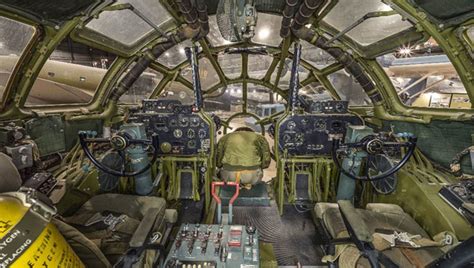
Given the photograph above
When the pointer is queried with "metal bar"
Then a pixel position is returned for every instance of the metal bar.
(294, 80)
(191, 53)
(416, 82)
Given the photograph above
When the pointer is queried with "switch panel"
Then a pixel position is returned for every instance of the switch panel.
(214, 246)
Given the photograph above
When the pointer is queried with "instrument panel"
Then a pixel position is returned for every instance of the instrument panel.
(309, 134)
(180, 131)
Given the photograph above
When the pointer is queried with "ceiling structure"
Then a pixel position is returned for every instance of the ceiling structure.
(252, 77)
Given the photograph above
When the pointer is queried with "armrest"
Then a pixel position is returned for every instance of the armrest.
(354, 223)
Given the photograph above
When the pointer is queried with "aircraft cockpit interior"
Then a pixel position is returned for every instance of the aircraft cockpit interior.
(237, 133)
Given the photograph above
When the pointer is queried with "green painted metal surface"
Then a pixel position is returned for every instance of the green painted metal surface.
(440, 140)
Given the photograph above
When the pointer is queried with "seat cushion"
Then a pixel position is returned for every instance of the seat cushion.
(381, 216)
(114, 244)
(87, 251)
(10, 179)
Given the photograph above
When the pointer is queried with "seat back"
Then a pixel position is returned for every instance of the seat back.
(10, 179)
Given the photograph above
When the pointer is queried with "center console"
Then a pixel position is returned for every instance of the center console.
(214, 246)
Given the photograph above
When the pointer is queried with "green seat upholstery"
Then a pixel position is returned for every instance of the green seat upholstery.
(381, 216)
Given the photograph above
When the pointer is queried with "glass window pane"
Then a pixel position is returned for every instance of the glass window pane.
(470, 34)
(257, 94)
(178, 91)
(284, 82)
(426, 80)
(207, 74)
(14, 37)
(142, 88)
(71, 75)
(258, 65)
(315, 92)
(266, 32)
(227, 103)
(348, 89)
(175, 55)
(214, 36)
(126, 27)
(316, 56)
(231, 64)
(346, 12)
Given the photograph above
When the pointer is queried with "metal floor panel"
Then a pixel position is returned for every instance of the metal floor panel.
(293, 235)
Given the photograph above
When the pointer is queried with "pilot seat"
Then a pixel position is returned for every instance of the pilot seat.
(108, 226)
(242, 156)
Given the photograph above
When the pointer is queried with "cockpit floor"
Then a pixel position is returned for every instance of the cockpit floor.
(293, 235)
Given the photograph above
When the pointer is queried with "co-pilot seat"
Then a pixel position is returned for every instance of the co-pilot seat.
(100, 231)
(381, 220)
(242, 156)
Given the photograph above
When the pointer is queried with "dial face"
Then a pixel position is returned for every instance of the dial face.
(177, 133)
(192, 144)
(170, 107)
(202, 133)
(339, 107)
(191, 134)
(194, 121)
(299, 138)
(291, 125)
(317, 107)
(286, 138)
(173, 123)
(320, 125)
(183, 122)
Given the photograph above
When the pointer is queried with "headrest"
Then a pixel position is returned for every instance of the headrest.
(10, 179)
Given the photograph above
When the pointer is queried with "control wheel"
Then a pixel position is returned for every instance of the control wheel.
(376, 147)
(118, 143)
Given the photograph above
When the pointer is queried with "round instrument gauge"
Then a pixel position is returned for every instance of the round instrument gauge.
(286, 138)
(177, 133)
(191, 134)
(317, 107)
(320, 125)
(183, 122)
(339, 107)
(202, 133)
(171, 107)
(194, 121)
(291, 125)
(191, 144)
(173, 123)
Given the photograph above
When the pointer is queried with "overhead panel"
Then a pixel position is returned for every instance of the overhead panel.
(125, 26)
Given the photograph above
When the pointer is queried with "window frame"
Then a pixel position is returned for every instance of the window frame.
(24, 57)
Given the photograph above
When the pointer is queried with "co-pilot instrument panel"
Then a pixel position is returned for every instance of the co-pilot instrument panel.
(309, 134)
(180, 130)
